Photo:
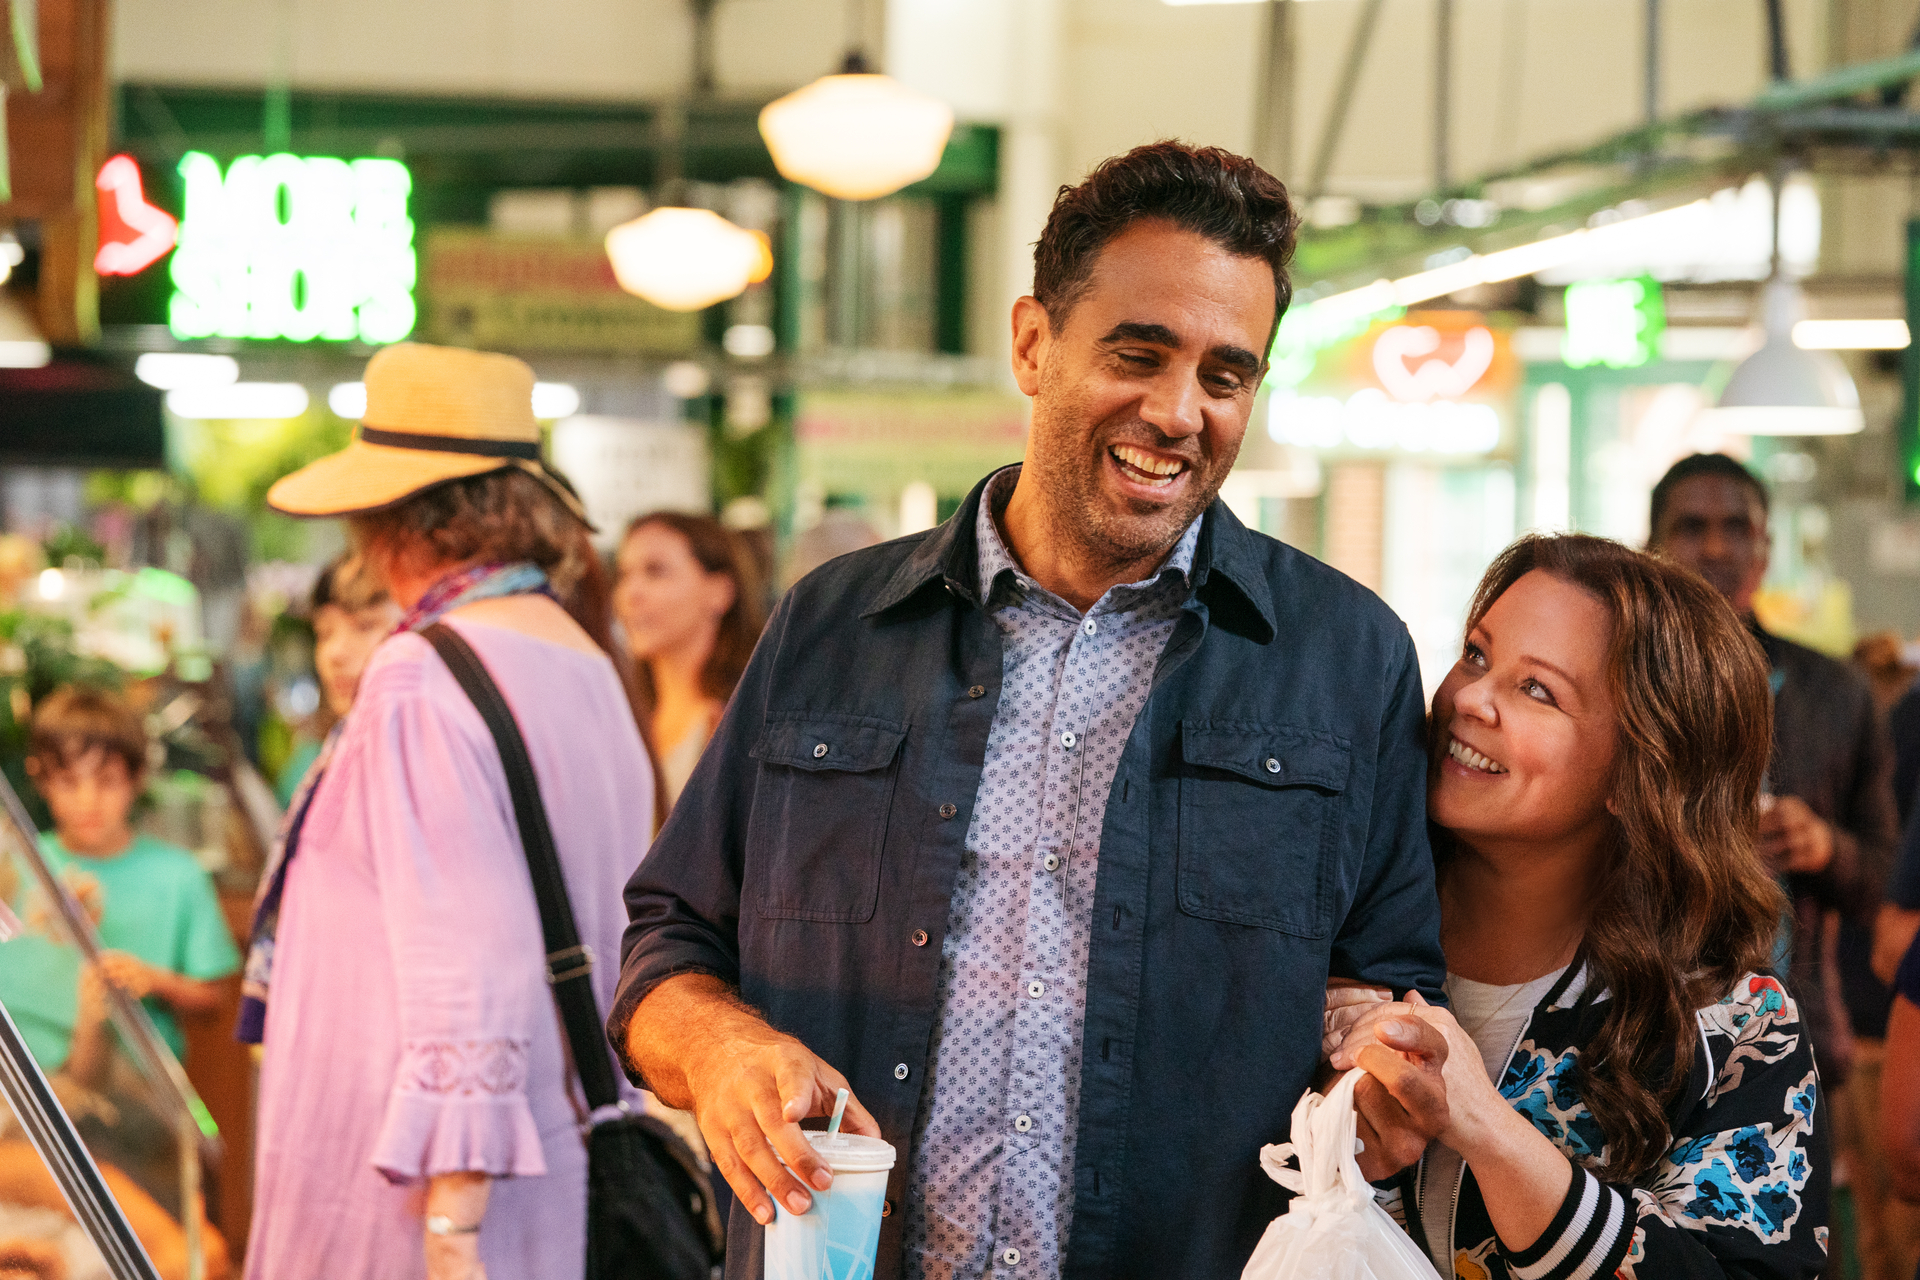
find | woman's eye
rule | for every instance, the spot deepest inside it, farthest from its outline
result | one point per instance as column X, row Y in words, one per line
column 1534, row 689
column 1473, row 656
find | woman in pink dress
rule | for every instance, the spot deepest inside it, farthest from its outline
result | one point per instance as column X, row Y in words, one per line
column 419, row 1115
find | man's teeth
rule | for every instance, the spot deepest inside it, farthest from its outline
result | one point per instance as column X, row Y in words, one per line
column 1163, row 469
column 1467, row 756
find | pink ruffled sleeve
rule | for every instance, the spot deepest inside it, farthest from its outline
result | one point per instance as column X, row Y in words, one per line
column 457, row 905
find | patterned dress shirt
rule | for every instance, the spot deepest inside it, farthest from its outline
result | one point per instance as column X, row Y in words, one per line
column 991, row 1186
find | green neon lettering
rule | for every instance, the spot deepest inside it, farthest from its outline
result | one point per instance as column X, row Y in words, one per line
column 295, row 248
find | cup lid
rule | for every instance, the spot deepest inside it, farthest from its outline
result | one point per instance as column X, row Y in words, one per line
column 852, row 1152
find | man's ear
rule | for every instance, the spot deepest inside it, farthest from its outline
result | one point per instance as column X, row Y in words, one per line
column 1032, row 331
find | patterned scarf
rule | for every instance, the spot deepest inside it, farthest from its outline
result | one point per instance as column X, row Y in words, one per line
column 481, row 582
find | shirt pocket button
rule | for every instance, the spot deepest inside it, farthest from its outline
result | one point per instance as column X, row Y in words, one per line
column 919, row 937
column 947, row 810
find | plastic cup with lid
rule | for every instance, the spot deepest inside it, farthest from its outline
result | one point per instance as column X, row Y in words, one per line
column 839, row 1234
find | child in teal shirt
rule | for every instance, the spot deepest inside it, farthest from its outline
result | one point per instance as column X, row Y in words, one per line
column 164, row 938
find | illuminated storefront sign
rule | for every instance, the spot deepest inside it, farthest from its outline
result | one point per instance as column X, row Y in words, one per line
column 133, row 234
column 1616, row 323
column 1428, row 386
column 297, row 248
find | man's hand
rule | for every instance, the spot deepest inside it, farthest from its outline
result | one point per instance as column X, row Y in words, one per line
column 1346, row 1001
column 1403, row 1102
column 747, row 1085
column 1793, row 838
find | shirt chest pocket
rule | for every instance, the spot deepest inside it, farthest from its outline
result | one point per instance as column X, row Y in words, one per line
column 820, row 815
column 1260, row 815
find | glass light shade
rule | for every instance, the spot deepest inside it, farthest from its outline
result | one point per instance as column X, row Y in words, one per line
column 856, row 137
column 1784, row 390
column 686, row 259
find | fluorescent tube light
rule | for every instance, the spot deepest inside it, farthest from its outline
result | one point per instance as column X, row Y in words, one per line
column 1851, row 335
column 555, row 400
column 240, row 400
column 173, row 370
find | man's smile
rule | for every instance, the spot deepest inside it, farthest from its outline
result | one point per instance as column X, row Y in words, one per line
column 1145, row 468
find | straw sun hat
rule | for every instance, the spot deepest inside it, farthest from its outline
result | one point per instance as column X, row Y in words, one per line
column 433, row 414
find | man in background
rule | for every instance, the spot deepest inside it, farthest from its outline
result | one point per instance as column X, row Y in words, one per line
column 1827, row 826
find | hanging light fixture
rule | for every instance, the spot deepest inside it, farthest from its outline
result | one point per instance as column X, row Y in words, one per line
column 686, row 259
column 1783, row 389
column 856, row 135
column 679, row 258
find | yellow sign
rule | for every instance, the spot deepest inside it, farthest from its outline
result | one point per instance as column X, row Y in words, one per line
column 539, row 293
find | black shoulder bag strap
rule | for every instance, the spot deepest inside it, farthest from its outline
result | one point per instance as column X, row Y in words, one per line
column 569, row 964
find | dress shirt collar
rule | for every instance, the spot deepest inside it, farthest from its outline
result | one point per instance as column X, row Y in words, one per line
column 1005, row 581
column 1225, row 553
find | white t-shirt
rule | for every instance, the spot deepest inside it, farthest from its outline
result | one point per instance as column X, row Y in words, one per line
column 1493, row 1016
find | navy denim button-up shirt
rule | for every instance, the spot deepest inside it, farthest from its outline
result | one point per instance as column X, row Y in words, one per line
column 1266, row 829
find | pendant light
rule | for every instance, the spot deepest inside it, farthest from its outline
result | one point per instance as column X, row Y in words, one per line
column 686, row 259
column 1782, row 390
column 856, row 135
column 680, row 258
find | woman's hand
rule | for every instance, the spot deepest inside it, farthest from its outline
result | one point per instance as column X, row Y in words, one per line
column 454, row 1258
column 1523, row 1177
column 461, row 1197
column 1471, row 1097
column 1402, row 1103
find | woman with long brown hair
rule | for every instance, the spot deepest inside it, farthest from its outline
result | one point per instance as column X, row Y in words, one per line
column 1628, row 1089
column 689, row 601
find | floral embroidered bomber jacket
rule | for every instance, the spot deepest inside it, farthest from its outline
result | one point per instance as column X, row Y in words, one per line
column 1742, row 1190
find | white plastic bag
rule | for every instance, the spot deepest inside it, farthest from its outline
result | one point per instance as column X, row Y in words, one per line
column 1333, row 1229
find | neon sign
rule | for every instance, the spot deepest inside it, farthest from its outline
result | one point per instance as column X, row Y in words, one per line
column 133, row 234
column 298, row 248
column 1617, row 323
column 1426, row 402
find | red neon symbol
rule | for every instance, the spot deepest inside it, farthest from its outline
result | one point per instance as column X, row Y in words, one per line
column 133, row 234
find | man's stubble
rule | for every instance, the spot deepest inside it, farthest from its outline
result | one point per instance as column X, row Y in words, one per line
column 1069, row 463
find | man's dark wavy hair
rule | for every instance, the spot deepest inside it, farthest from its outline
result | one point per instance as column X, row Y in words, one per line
column 1718, row 465
column 1227, row 198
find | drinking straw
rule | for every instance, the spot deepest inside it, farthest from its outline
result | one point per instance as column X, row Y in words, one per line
column 839, row 1110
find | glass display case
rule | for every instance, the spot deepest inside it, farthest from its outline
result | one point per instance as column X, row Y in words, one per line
column 103, row 1142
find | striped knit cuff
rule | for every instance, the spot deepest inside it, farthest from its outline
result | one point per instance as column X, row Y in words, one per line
column 1588, row 1236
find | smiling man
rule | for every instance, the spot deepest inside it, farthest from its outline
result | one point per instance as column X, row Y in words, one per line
column 1044, row 831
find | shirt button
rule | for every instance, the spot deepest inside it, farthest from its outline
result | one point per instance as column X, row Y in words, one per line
column 819, row 751
column 1011, row 1257
column 1091, row 626
column 886, row 1208
column 976, row 691
column 947, row 811
column 1023, row 1123
column 1051, row 862
column 1273, row 764
column 919, row 937
column 1036, row 989
column 1067, row 740
column 899, row 1071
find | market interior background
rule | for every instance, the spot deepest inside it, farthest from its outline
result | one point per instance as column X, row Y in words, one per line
column 1537, row 235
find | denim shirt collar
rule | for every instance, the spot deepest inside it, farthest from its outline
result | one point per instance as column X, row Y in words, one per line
column 1227, row 566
